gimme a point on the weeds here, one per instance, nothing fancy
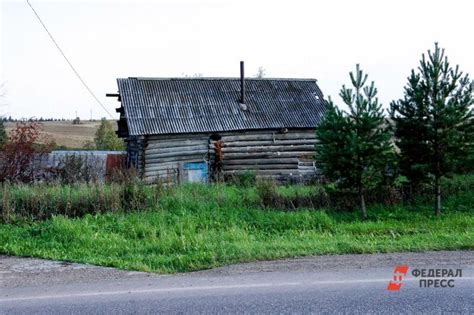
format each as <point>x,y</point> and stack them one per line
<point>44,201</point>
<point>245,179</point>
<point>196,227</point>
<point>128,193</point>
<point>73,169</point>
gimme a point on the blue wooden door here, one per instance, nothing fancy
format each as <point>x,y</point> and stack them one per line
<point>195,172</point>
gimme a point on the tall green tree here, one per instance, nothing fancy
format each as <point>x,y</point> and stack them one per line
<point>354,146</point>
<point>434,121</point>
<point>106,138</point>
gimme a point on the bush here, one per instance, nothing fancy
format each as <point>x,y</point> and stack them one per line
<point>134,194</point>
<point>245,179</point>
<point>296,197</point>
<point>78,169</point>
<point>457,184</point>
<point>23,154</point>
<point>269,197</point>
<point>123,175</point>
<point>3,134</point>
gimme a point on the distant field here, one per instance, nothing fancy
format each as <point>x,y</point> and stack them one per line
<point>64,133</point>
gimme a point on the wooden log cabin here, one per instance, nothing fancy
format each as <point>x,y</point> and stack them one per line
<point>195,129</point>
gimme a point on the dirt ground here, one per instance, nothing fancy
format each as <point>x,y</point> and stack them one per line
<point>21,271</point>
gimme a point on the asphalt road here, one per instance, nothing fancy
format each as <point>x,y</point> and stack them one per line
<point>322,284</point>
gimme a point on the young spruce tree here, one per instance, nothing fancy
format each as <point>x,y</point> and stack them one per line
<point>434,121</point>
<point>354,146</point>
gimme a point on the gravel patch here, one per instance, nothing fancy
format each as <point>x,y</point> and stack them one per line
<point>23,271</point>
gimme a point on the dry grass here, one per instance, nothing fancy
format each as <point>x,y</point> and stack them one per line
<point>64,133</point>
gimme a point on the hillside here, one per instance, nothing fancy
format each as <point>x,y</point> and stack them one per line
<point>64,133</point>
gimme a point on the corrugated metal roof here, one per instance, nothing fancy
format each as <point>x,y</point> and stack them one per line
<point>191,105</point>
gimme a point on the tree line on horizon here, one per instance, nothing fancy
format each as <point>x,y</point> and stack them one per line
<point>40,119</point>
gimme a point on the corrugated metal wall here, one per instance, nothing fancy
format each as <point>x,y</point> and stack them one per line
<point>104,163</point>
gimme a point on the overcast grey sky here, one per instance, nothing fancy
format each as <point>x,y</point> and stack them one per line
<point>292,39</point>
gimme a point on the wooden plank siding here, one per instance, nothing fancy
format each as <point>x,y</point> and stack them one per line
<point>270,154</point>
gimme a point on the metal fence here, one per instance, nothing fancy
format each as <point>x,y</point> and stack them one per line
<point>101,163</point>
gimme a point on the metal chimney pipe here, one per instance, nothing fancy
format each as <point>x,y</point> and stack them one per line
<point>242,83</point>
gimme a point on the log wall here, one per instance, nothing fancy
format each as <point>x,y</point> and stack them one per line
<point>165,155</point>
<point>284,157</point>
<point>271,154</point>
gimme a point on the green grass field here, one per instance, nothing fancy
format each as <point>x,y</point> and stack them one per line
<point>197,227</point>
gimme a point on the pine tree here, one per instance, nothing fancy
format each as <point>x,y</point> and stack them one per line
<point>354,147</point>
<point>409,117</point>
<point>434,124</point>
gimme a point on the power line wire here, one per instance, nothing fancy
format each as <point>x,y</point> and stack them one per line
<point>69,63</point>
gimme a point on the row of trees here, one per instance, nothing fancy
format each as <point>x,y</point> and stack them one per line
<point>429,133</point>
<point>41,119</point>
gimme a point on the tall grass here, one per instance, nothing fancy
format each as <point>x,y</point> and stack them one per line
<point>196,227</point>
<point>47,200</point>
<point>193,227</point>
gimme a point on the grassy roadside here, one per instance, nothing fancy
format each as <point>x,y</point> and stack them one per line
<point>196,227</point>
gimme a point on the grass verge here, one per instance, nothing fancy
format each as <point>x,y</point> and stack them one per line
<point>197,227</point>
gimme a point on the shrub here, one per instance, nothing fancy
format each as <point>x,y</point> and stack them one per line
<point>134,195</point>
<point>270,197</point>
<point>5,211</point>
<point>23,153</point>
<point>74,168</point>
<point>123,175</point>
<point>267,192</point>
<point>245,179</point>
<point>457,184</point>
<point>3,134</point>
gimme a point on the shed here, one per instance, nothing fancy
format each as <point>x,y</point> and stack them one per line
<point>195,129</point>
